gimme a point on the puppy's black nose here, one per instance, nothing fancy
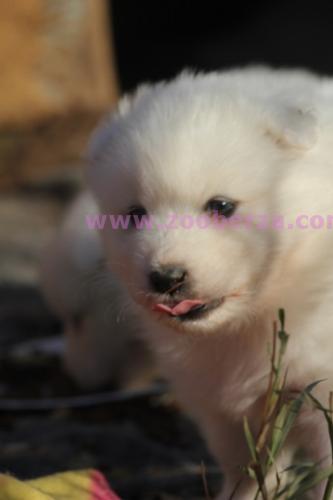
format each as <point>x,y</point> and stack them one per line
<point>167,279</point>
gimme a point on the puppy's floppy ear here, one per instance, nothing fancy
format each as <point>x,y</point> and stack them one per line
<point>292,126</point>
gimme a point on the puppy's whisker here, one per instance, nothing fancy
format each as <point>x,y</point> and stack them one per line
<point>175,287</point>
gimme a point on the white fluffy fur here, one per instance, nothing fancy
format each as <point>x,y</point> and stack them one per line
<point>262,137</point>
<point>101,340</point>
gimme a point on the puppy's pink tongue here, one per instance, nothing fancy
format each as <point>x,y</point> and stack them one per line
<point>179,309</point>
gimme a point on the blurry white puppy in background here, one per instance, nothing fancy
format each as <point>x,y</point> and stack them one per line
<point>253,141</point>
<point>101,339</point>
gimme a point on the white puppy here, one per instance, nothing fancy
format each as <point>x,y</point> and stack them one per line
<point>101,341</point>
<point>252,141</point>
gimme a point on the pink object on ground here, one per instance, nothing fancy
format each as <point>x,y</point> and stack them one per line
<point>100,489</point>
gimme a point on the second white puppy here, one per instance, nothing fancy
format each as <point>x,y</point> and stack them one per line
<point>101,336</point>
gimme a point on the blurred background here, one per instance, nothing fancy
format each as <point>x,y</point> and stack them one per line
<point>64,64</point>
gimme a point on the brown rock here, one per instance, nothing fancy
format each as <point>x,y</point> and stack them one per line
<point>57,77</point>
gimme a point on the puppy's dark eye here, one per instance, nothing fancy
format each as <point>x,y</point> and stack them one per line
<point>136,213</point>
<point>221,206</point>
